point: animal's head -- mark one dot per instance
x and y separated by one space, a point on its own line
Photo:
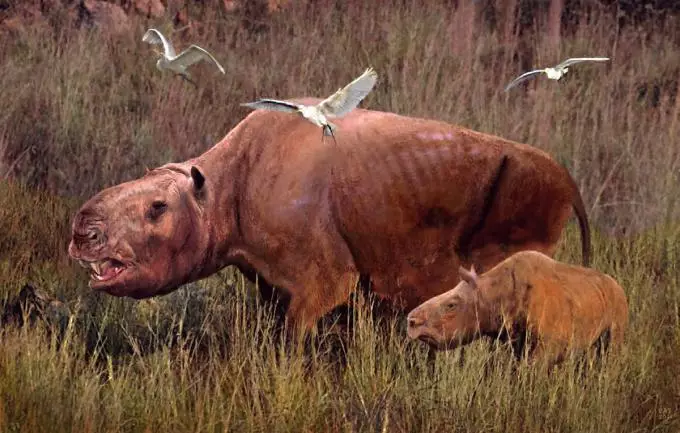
450 319
144 237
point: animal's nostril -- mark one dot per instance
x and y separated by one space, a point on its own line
88 234
415 322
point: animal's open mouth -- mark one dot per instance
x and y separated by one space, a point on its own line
103 270
440 343
429 340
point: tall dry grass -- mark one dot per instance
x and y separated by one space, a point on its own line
82 112
206 359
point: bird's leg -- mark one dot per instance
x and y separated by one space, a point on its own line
333 135
186 78
330 132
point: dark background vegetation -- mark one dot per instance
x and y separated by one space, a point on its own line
84 108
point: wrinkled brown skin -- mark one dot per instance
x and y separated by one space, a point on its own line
402 200
559 307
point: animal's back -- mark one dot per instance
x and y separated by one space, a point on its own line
413 197
570 303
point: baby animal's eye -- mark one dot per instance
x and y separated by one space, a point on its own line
452 305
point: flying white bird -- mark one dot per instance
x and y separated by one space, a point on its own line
338 104
556 72
178 63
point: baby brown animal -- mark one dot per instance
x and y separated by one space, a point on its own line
560 306
399 201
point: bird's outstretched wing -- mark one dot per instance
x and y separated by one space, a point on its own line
153 36
575 60
272 105
346 99
195 54
525 76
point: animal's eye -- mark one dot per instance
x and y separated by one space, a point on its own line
157 208
452 305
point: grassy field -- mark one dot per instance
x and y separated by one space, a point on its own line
82 112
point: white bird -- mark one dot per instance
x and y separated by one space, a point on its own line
178 63
556 72
338 104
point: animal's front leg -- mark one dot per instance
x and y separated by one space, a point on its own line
546 356
318 298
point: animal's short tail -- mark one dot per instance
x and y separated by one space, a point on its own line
580 210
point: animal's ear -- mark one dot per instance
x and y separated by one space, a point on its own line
197 177
469 277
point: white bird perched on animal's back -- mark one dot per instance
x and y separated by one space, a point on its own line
338 104
556 72
178 63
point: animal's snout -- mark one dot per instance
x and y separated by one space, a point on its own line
88 232
87 239
86 221
414 322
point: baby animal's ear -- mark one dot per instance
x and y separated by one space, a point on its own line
469 277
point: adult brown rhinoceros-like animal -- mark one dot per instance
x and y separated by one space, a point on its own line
527 298
400 200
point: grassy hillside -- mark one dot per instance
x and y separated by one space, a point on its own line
82 112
